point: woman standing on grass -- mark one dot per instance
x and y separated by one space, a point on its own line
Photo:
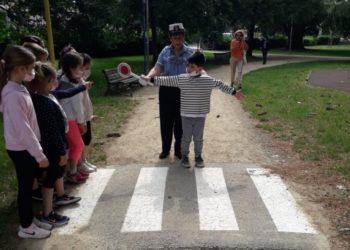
22 133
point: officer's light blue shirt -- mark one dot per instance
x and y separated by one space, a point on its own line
170 64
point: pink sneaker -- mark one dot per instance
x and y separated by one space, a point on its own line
83 173
75 178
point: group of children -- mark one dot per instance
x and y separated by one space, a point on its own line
47 124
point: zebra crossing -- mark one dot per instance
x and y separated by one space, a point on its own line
226 198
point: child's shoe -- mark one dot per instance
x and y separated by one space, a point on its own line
75 178
90 165
41 224
83 173
84 167
66 200
33 232
55 220
185 162
199 162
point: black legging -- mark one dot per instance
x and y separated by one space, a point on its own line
25 166
87 136
54 171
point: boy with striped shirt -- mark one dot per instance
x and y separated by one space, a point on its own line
195 88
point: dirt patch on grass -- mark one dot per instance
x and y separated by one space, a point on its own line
326 196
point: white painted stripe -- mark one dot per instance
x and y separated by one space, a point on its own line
90 192
281 205
215 208
146 206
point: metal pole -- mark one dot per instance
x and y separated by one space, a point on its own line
291 35
49 32
145 36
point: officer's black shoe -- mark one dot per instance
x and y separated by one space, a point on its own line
178 155
163 155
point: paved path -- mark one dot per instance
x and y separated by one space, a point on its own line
225 206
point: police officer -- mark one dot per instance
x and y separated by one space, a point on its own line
171 61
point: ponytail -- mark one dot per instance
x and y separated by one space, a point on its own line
3 76
44 72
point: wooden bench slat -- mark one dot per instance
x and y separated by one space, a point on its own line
117 83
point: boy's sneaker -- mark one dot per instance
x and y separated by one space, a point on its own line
66 200
199 162
55 219
185 162
42 224
33 232
75 178
37 195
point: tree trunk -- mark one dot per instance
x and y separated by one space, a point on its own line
250 39
297 38
153 26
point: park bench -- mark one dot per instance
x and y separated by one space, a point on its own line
117 84
221 57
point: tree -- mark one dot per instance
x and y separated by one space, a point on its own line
202 19
299 16
252 13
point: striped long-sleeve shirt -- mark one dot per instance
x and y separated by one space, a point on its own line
195 91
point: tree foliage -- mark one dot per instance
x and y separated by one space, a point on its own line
101 27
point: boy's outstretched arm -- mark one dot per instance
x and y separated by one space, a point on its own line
231 90
168 81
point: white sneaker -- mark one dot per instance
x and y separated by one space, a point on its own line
33 232
85 168
42 224
90 165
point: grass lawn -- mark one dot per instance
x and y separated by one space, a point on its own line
316 120
322 50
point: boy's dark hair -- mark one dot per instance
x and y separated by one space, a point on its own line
197 58
86 58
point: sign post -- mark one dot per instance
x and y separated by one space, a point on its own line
145 36
49 32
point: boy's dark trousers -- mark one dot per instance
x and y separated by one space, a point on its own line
170 119
25 166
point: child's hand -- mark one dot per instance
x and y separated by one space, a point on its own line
94 118
239 95
88 85
44 163
82 128
63 160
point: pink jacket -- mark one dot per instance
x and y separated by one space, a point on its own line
20 125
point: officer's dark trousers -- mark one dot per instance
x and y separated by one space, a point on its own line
170 119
